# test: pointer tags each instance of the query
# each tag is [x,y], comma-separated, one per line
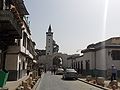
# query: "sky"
[75,23]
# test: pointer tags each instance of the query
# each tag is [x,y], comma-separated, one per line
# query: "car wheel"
[76,78]
[64,77]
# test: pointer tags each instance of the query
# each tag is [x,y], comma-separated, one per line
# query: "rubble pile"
[29,83]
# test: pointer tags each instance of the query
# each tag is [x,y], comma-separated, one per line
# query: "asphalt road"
[55,82]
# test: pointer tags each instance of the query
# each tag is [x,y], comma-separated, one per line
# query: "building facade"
[98,58]
[15,35]
[20,57]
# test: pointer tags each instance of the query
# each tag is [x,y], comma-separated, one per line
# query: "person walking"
[51,70]
[54,70]
[28,71]
[114,73]
[39,72]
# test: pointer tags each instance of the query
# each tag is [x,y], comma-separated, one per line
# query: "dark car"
[70,74]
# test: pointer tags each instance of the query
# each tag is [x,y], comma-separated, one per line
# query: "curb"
[104,88]
[4,89]
[37,83]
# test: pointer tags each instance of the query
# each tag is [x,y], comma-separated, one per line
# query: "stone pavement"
[83,80]
[12,85]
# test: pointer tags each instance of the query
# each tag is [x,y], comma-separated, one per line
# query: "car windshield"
[70,70]
[60,69]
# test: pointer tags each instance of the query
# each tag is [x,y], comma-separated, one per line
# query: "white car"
[70,74]
[59,71]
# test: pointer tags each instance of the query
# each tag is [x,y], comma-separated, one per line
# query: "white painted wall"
[87,56]
[101,59]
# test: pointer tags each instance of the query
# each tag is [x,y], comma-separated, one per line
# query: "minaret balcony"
[11,23]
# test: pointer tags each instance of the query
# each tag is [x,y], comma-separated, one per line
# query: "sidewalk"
[12,85]
[104,88]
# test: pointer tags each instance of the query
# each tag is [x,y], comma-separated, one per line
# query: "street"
[55,82]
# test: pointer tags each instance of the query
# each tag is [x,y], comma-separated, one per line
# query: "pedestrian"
[114,73]
[28,71]
[54,70]
[39,72]
[45,69]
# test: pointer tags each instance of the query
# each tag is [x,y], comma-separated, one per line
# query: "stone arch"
[63,58]
[47,60]
[57,61]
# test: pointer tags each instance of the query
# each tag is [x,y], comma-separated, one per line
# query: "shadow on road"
[69,79]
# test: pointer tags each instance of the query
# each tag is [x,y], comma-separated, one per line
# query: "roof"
[74,56]
[113,42]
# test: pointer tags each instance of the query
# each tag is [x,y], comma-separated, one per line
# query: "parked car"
[70,74]
[59,71]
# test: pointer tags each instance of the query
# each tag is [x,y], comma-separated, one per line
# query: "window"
[49,40]
[115,54]
[28,44]
[18,42]
[24,39]
[23,66]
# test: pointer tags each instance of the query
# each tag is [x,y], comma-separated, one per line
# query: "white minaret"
[49,41]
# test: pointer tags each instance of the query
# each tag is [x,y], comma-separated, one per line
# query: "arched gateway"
[59,60]
[52,57]
[56,59]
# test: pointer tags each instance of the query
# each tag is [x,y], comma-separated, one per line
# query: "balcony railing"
[9,22]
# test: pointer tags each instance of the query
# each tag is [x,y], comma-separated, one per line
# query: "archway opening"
[57,61]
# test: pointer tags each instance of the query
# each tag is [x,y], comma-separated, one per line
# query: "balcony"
[13,49]
[9,24]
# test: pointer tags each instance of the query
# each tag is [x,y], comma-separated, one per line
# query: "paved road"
[54,82]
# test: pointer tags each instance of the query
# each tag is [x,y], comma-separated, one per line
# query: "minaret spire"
[49,29]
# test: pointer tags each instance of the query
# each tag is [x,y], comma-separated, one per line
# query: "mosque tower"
[49,41]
